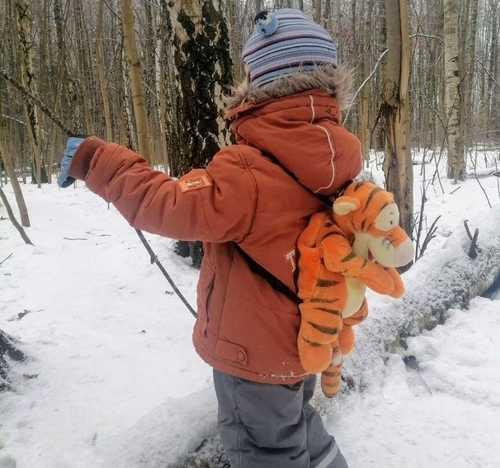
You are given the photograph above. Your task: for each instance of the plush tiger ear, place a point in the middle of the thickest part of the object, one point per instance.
(345, 205)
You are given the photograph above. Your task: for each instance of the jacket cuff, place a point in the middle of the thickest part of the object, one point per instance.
(80, 164)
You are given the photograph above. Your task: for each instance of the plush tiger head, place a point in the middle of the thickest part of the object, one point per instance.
(371, 216)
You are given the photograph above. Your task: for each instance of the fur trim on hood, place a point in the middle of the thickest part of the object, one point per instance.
(337, 82)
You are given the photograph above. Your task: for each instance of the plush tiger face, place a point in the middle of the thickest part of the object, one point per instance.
(371, 216)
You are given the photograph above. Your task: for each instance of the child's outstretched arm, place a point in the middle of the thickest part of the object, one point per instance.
(215, 204)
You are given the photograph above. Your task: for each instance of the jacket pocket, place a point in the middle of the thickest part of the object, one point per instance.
(208, 295)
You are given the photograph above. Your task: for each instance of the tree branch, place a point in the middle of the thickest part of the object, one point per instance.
(367, 79)
(13, 219)
(38, 102)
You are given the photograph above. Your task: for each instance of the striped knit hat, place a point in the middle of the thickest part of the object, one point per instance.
(285, 42)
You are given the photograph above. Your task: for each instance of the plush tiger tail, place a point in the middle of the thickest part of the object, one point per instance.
(331, 380)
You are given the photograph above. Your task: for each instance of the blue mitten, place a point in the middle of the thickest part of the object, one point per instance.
(64, 180)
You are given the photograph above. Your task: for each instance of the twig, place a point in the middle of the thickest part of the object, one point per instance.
(498, 178)
(14, 119)
(479, 182)
(455, 190)
(368, 78)
(431, 234)
(75, 238)
(420, 223)
(427, 36)
(6, 258)
(473, 250)
(26, 93)
(485, 70)
(154, 259)
(13, 219)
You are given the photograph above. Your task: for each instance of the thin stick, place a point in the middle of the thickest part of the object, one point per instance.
(13, 219)
(38, 102)
(368, 78)
(431, 234)
(154, 259)
(58, 122)
(6, 258)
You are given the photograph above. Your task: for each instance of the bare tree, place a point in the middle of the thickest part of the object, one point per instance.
(28, 80)
(395, 109)
(134, 63)
(456, 161)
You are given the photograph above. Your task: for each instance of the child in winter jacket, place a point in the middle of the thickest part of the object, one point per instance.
(249, 206)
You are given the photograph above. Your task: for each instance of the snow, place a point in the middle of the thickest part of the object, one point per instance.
(114, 379)
(446, 415)
(107, 343)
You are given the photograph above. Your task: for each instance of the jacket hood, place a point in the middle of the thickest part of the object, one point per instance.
(303, 133)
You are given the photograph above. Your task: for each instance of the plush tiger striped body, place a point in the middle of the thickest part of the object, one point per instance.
(358, 245)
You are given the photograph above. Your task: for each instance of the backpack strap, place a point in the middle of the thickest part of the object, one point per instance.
(274, 282)
(256, 267)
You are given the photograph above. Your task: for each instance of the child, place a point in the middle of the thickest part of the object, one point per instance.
(249, 206)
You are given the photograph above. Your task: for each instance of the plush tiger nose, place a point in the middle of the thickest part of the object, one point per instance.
(403, 247)
(397, 236)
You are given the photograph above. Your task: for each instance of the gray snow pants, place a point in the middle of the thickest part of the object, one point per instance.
(273, 426)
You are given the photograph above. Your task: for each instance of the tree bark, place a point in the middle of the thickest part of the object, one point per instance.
(398, 166)
(456, 160)
(469, 73)
(201, 77)
(143, 136)
(101, 75)
(317, 11)
(25, 41)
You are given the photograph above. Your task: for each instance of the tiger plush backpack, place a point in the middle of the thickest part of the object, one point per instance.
(342, 251)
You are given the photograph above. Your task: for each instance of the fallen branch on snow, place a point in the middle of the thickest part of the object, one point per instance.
(6, 258)
(436, 285)
(482, 173)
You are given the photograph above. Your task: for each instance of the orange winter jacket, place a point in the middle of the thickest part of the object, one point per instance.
(257, 197)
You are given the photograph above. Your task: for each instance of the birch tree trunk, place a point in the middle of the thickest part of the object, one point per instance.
(25, 41)
(101, 75)
(201, 77)
(468, 80)
(317, 11)
(398, 166)
(364, 97)
(456, 161)
(137, 88)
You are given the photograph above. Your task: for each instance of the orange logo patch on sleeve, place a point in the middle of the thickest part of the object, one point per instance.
(195, 182)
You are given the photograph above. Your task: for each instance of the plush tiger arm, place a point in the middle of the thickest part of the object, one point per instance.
(339, 257)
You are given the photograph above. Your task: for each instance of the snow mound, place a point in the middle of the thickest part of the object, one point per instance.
(166, 435)
(427, 302)
(445, 414)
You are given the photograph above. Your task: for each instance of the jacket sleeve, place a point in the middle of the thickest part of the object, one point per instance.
(216, 204)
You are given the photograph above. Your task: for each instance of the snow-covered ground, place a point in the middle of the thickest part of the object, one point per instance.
(115, 381)
(445, 416)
